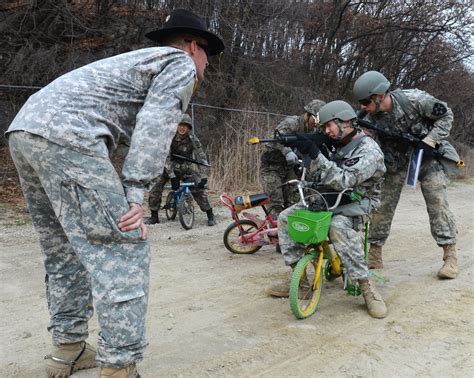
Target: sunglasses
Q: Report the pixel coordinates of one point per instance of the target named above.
(365, 101)
(203, 47)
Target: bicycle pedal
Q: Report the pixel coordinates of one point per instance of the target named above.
(353, 290)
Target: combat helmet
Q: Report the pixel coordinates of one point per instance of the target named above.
(186, 119)
(313, 106)
(336, 110)
(370, 83)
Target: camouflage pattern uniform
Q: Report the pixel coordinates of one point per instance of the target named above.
(274, 169)
(60, 142)
(358, 165)
(189, 147)
(426, 117)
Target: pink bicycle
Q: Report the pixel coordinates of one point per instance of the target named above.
(245, 236)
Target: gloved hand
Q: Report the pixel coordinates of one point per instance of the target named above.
(308, 147)
(291, 158)
(202, 184)
(175, 183)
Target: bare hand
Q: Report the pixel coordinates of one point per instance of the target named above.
(133, 220)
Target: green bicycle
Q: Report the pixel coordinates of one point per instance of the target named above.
(320, 260)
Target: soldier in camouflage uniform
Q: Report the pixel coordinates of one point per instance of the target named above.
(278, 161)
(356, 163)
(429, 119)
(188, 145)
(89, 219)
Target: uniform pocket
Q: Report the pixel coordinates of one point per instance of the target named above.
(125, 294)
(100, 211)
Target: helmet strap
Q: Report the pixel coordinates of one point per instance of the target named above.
(341, 128)
(348, 137)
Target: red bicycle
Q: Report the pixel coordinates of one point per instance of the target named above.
(245, 236)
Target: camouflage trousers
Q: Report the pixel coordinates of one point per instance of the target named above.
(346, 237)
(273, 177)
(156, 193)
(434, 182)
(74, 201)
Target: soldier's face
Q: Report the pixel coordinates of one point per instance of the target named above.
(368, 105)
(198, 54)
(330, 129)
(183, 129)
(311, 121)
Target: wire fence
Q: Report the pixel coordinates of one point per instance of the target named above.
(235, 164)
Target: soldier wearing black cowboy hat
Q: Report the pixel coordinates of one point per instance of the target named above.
(65, 133)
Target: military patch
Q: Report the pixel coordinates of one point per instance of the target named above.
(439, 109)
(351, 162)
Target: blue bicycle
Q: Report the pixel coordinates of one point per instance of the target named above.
(180, 202)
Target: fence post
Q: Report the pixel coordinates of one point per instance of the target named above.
(192, 119)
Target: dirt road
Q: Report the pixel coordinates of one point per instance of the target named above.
(209, 315)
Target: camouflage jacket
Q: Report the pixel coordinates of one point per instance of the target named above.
(358, 165)
(94, 108)
(189, 147)
(424, 116)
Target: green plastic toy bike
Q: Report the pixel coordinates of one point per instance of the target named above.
(320, 260)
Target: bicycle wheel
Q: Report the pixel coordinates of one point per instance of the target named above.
(186, 211)
(306, 285)
(170, 207)
(232, 234)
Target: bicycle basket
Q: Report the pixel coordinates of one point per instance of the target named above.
(309, 227)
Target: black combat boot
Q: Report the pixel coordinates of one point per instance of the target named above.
(153, 219)
(210, 218)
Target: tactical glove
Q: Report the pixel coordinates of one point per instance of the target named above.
(291, 158)
(202, 183)
(307, 147)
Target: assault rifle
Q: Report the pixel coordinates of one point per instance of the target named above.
(401, 138)
(180, 157)
(325, 143)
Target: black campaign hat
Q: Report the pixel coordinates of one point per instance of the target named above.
(183, 21)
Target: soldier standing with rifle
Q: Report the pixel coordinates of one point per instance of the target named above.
(187, 145)
(429, 121)
(278, 161)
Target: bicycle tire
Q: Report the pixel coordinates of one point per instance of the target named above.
(304, 301)
(173, 210)
(186, 211)
(231, 237)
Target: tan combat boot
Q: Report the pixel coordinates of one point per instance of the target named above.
(375, 304)
(375, 257)
(450, 266)
(68, 358)
(282, 289)
(129, 371)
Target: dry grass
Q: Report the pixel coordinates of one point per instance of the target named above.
(236, 163)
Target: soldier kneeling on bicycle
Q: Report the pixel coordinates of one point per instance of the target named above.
(357, 163)
(184, 144)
